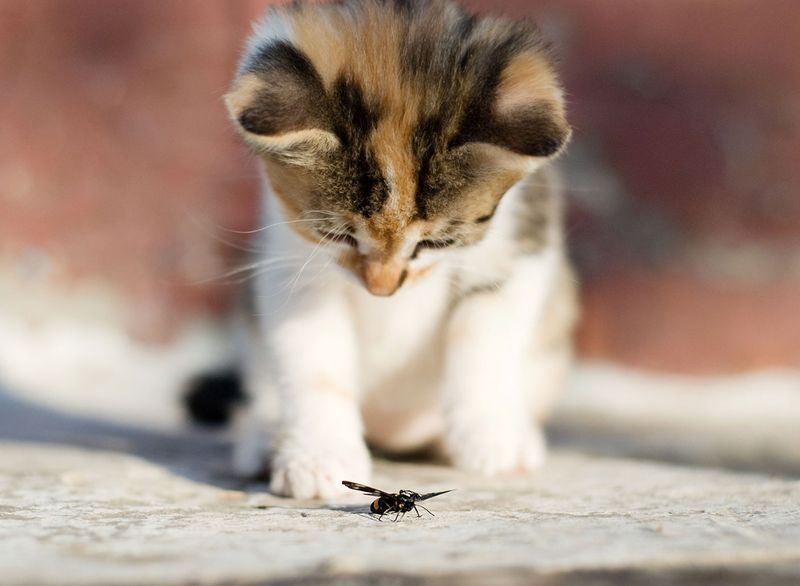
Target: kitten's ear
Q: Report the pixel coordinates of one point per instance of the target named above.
(279, 104)
(527, 114)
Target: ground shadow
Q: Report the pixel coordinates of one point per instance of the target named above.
(665, 447)
(196, 453)
(204, 456)
(199, 455)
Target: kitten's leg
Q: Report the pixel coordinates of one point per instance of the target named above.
(489, 428)
(551, 353)
(320, 440)
(546, 378)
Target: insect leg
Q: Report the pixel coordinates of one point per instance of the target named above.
(416, 510)
(397, 515)
(424, 509)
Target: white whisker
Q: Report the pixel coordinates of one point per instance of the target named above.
(254, 266)
(212, 230)
(293, 282)
(275, 225)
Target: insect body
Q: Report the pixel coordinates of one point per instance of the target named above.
(398, 502)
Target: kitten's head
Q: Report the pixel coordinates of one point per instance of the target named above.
(397, 124)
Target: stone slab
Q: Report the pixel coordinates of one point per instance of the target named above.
(93, 503)
(92, 517)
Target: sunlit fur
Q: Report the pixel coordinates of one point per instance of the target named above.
(402, 144)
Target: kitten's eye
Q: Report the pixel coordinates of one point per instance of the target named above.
(487, 217)
(347, 239)
(433, 244)
(340, 237)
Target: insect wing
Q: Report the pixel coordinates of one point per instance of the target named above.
(366, 489)
(430, 495)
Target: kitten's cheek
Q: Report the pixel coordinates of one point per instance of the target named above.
(349, 262)
(419, 272)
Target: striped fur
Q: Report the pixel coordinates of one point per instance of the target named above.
(403, 117)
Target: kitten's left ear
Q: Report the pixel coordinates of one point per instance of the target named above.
(527, 115)
(279, 105)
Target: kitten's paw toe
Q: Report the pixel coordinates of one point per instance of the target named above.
(305, 473)
(492, 452)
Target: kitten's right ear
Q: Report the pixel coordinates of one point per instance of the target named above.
(526, 115)
(279, 104)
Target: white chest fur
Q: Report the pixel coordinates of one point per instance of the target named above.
(400, 338)
(446, 357)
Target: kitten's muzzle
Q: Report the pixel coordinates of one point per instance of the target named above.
(381, 277)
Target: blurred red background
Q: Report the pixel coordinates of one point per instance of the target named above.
(117, 165)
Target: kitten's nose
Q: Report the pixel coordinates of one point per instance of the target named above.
(383, 278)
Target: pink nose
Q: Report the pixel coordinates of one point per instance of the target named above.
(383, 278)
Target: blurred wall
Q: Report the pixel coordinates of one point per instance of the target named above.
(686, 176)
(116, 158)
(117, 165)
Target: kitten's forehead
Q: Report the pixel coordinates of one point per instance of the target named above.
(369, 45)
(400, 84)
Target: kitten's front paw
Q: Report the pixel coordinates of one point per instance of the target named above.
(306, 472)
(495, 450)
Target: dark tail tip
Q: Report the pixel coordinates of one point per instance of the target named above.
(211, 399)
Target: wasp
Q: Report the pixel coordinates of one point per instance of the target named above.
(394, 502)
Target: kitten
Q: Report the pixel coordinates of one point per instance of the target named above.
(414, 288)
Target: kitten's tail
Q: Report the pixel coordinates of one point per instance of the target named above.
(213, 398)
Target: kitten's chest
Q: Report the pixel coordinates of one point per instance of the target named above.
(402, 336)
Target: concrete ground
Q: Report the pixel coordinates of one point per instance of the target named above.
(90, 503)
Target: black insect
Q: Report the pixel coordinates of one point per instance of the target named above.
(398, 502)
